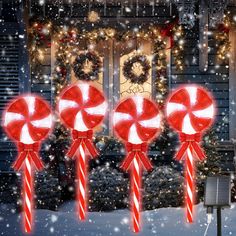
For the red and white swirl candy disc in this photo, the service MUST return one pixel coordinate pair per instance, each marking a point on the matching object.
(82, 107)
(137, 120)
(190, 110)
(28, 119)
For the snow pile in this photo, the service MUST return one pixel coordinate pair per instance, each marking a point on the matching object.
(163, 222)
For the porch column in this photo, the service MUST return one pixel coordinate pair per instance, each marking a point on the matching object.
(232, 84)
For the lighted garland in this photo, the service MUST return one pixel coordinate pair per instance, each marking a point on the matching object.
(175, 34)
(64, 44)
(87, 66)
(97, 35)
(160, 60)
(222, 40)
(136, 69)
(223, 45)
(178, 47)
(39, 39)
(39, 32)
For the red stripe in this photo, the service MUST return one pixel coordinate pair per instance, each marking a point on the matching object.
(42, 110)
(136, 193)
(81, 179)
(19, 106)
(189, 210)
(189, 218)
(190, 184)
(28, 193)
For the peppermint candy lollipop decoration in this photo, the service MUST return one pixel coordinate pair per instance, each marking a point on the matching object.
(82, 107)
(136, 121)
(28, 120)
(190, 111)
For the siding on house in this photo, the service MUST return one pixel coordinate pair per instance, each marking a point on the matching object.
(9, 54)
(10, 67)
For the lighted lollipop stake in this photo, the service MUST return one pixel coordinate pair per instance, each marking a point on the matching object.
(136, 121)
(82, 107)
(190, 111)
(28, 120)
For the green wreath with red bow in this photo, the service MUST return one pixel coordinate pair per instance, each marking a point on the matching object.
(136, 69)
(87, 66)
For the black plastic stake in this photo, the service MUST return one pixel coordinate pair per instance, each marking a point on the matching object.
(219, 232)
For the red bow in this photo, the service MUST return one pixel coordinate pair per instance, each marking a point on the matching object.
(168, 32)
(79, 138)
(70, 37)
(30, 150)
(188, 140)
(223, 28)
(138, 150)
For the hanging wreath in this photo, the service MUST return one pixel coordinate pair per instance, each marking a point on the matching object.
(136, 69)
(87, 66)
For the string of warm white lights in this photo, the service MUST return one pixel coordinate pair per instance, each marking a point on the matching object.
(41, 32)
(223, 45)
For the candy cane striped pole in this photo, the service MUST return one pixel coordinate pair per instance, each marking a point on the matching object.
(190, 184)
(81, 178)
(136, 194)
(27, 192)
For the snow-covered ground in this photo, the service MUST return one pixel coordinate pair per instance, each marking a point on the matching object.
(167, 221)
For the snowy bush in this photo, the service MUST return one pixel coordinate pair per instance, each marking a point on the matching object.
(10, 188)
(163, 187)
(47, 191)
(108, 189)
